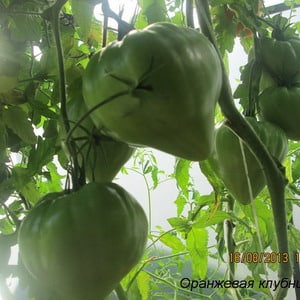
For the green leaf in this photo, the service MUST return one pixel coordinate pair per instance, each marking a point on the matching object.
(16, 119)
(209, 219)
(294, 238)
(180, 224)
(197, 241)
(154, 10)
(143, 282)
(42, 154)
(180, 202)
(43, 109)
(182, 174)
(27, 28)
(6, 189)
(172, 241)
(225, 28)
(83, 11)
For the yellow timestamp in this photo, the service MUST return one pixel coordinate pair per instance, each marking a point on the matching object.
(261, 257)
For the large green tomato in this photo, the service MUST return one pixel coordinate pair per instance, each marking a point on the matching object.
(101, 156)
(237, 166)
(281, 106)
(281, 59)
(171, 78)
(83, 243)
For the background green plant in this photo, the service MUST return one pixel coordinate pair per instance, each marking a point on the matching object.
(32, 157)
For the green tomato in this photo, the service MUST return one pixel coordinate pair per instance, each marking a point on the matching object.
(170, 77)
(281, 106)
(101, 156)
(83, 243)
(281, 59)
(237, 166)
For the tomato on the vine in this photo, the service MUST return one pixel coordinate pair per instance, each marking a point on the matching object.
(281, 106)
(281, 58)
(237, 166)
(169, 78)
(83, 243)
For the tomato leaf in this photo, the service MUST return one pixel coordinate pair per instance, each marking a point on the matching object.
(42, 154)
(209, 219)
(182, 174)
(143, 282)
(172, 241)
(197, 241)
(83, 12)
(16, 119)
(180, 224)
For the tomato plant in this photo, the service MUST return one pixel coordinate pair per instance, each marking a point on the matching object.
(90, 90)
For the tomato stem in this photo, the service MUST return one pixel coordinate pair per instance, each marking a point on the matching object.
(88, 113)
(274, 177)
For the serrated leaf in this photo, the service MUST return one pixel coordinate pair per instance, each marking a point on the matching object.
(180, 203)
(180, 224)
(182, 174)
(172, 241)
(209, 219)
(197, 241)
(154, 176)
(16, 119)
(143, 282)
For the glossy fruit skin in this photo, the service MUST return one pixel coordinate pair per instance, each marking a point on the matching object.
(172, 79)
(102, 156)
(228, 163)
(281, 106)
(83, 243)
(281, 59)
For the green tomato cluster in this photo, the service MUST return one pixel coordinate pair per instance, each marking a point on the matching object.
(279, 100)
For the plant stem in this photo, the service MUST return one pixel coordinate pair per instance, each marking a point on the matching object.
(52, 14)
(189, 14)
(273, 174)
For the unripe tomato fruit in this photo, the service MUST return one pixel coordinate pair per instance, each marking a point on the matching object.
(171, 77)
(281, 106)
(83, 243)
(237, 166)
